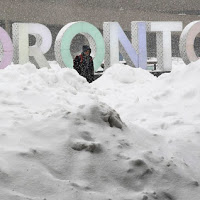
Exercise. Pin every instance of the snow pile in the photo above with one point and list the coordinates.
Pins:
(125, 74)
(59, 139)
(40, 111)
(166, 106)
(154, 103)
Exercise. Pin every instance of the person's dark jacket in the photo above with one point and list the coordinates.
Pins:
(84, 66)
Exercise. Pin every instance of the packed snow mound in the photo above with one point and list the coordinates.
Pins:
(59, 141)
(155, 103)
(125, 74)
(167, 106)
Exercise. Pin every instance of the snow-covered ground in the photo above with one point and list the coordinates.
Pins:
(62, 139)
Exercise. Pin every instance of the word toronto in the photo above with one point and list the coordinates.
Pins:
(106, 48)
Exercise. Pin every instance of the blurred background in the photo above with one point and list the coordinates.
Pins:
(57, 13)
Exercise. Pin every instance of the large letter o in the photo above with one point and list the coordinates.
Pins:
(7, 49)
(187, 39)
(64, 39)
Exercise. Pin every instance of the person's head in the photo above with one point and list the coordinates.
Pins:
(86, 50)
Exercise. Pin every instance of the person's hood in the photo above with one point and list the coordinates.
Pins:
(85, 48)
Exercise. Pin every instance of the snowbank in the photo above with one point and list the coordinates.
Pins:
(59, 139)
(166, 106)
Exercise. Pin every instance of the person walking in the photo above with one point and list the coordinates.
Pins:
(83, 64)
